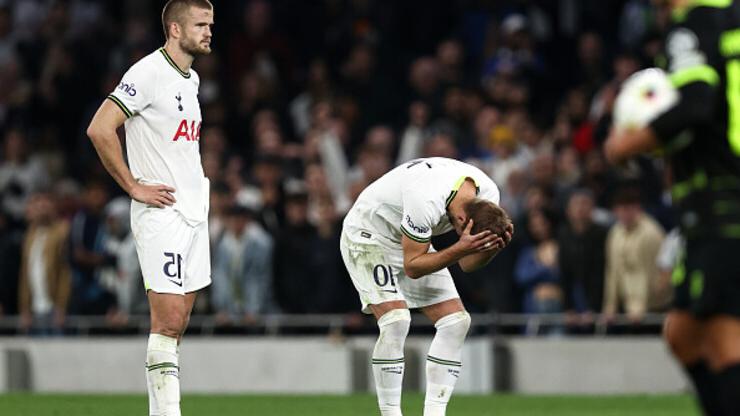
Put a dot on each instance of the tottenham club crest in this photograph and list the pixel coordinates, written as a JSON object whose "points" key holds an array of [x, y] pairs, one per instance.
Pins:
{"points": [[178, 97]]}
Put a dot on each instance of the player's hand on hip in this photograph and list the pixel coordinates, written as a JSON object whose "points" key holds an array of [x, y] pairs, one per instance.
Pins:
{"points": [[475, 243], [155, 195]]}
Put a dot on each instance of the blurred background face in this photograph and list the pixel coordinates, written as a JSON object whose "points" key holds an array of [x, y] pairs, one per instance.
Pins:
{"points": [[15, 146], [374, 164], [296, 211], [315, 178], [580, 208], [539, 226], [96, 197], [441, 145], [236, 223], [40, 209], [628, 214]]}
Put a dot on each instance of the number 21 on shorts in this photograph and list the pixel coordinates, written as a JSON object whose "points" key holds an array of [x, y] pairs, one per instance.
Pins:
{"points": [[383, 275]]}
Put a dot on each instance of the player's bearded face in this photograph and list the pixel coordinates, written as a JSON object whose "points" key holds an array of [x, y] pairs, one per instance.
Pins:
{"points": [[196, 39]]}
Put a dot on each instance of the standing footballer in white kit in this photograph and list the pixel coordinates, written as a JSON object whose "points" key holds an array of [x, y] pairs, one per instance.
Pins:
{"points": [[386, 247], [157, 102]]}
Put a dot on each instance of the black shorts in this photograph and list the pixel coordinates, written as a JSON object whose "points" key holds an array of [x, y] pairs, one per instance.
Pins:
{"points": [[707, 278]]}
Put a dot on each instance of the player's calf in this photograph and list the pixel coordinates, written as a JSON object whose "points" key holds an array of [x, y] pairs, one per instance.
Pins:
{"points": [[388, 363], [723, 351], [444, 361], [169, 315], [685, 336]]}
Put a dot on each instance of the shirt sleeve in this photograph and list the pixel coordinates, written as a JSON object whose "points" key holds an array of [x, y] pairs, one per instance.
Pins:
{"points": [[689, 52], [136, 90], [420, 214]]}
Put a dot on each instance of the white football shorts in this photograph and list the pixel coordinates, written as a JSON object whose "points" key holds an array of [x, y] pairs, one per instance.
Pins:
{"points": [[174, 254], [378, 275]]}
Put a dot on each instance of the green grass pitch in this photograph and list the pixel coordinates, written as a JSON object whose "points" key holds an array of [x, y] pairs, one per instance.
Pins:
{"points": [[354, 405]]}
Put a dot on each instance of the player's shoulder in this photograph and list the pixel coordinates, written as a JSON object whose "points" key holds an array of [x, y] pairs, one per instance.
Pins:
{"points": [[704, 16], [146, 65], [194, 76]]}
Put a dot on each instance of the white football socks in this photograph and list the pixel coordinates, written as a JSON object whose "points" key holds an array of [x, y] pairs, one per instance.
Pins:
{"points": [[163, 375], [388, 362], [443, 361]]}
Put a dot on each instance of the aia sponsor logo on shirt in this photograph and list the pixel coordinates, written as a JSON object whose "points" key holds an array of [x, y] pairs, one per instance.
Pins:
{"points": [[189, 130], [419, 229], [127, 88]]}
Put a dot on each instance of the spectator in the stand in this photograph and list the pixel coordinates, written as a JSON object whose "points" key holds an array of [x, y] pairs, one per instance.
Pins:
{"points": [[294, 243], [485, 121], [267, 174], [517, 53], [424, 81], [412, 140], [44, 283], [451, 58], [506, 158], [591, 68], [242, 269], [87, 254], [318, 88], [537, 267], [259, 45], [10, 262], [326, 263], [21, 174], [312, 265], [122, 277], [221, 199], [631, 249], [582, 244], [372, 163], [8, 39], [441, 143]]}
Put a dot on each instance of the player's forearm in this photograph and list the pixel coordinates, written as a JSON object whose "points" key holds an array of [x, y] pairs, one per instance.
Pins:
{"points": [[428, 263], [473, 262], [111, 155], [622, 145]]}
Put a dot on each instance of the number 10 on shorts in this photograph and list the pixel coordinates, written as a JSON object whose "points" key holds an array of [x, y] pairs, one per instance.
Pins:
{"points": [[383, 274]]}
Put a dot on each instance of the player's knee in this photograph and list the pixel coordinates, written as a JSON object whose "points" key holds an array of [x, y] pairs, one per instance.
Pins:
{"points": [[172, 326], [723, 346], [682, 342], [394, 327], [454, 326]]}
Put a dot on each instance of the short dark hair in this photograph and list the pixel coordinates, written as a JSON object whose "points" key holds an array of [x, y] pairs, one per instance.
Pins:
{"points": [[486, 215], [173, 10]]}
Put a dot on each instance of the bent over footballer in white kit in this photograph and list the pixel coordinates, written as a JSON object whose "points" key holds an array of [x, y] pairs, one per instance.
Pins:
{"points": [[157, 103], [386, 247]]}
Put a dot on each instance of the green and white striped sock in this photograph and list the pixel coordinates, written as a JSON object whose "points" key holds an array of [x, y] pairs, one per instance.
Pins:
{"points": [[163, 374], [388, 374], [444, 361]]}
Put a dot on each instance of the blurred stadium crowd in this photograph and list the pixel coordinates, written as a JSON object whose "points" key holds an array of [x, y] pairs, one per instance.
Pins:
{"points": [[304, 104]]}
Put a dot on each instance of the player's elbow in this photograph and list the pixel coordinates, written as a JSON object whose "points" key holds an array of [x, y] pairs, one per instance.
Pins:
{"points": [[411, 272], [470, 268], [474, 262], [93, 131]]}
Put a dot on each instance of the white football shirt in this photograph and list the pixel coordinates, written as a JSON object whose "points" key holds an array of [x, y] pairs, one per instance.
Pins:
{"points": [[163, 130], [412, 199]]}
